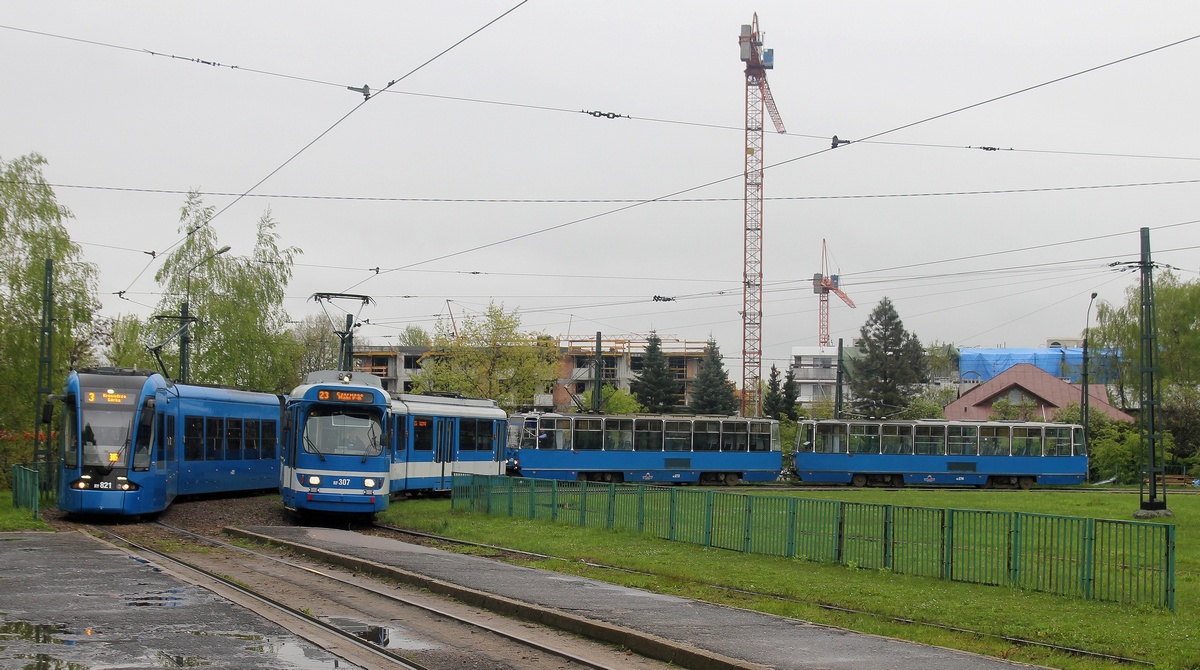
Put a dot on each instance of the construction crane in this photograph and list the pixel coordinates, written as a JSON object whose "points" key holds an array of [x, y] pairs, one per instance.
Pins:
{"points": [[824, 284], [758, 95]]}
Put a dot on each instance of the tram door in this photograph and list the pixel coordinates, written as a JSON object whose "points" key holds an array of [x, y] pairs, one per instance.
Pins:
{"points": [[444, 452]]}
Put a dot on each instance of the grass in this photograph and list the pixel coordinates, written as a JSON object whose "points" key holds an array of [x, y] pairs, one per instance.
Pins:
{"points": [[1166, 639], [17, 519]]}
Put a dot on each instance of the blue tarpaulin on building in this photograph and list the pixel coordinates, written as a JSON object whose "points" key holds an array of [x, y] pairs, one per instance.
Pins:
{"points": [[1062, 362]]}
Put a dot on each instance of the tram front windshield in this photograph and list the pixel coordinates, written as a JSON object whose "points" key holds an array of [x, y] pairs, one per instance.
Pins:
{"points": [[336, 431], [105, 435]]}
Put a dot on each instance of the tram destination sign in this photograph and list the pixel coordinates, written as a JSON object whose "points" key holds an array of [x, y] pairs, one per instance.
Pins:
{"points": [[338, 395]]}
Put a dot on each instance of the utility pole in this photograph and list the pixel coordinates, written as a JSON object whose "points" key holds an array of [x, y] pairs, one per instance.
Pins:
{"points": [[43, 453], [1148, 418]]}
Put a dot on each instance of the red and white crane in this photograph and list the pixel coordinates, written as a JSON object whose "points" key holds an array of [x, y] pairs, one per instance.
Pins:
{"points": [[758, 95], [824, 284]]}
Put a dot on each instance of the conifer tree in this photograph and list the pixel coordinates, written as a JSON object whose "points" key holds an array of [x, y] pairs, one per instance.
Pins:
{"points": [[892, 366], [773, 398], [713, 392], [791, 394], [655, 386]]}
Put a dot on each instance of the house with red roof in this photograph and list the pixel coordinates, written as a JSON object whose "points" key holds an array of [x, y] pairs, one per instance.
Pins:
{"points": [[1024, 382]]}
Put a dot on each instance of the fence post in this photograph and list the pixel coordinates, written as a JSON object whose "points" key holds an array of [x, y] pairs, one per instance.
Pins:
{"points": [[1169, 562], [641, 509], [792, 513], [671, 516], [612, 505], [583, 491], [839, 537], [554, 500], [1089, 557], [512, 482], [708, 518], [749, 532], [1014, 552], [889, 534], [948, 544]]}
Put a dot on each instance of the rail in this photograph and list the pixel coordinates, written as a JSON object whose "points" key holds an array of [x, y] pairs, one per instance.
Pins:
{"points": [[1128, 562]]}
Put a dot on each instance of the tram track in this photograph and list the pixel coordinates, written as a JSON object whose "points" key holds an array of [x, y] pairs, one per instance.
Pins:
{"points": [[499, 643], [747, 592]]}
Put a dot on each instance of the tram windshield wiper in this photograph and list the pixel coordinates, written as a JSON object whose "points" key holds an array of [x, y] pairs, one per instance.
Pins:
{"points": [[308, 441]]}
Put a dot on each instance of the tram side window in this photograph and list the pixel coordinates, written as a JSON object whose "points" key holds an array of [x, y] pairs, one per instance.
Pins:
{"points": [[554, 434], [214, 438], [648, 435], [1027, 441], [160, 439], [679, 436], [529, 433], [170, 438], [193, 438], [804, 438], [963, 440], [864, 439], [1080, 444], [706, 436], [831, 439], [485, 436], [760, 435], [587, 434], [735, 436], [70, 437], [467, 432], [897, 439], [145, 435], [1058, 441], [422, 433], [250, 440], [233, 439], [618, 434], [270, 429], [930, 440], [993, 440]]}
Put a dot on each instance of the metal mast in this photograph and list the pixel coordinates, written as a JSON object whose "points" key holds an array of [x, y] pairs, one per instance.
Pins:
{"points": [[758, 94]]}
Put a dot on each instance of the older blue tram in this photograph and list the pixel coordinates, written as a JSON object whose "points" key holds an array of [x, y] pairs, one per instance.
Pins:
{"points": [[1008, 454], [681, 449]]}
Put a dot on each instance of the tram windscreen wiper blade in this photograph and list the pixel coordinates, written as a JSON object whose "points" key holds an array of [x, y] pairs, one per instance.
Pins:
{"points": [[308, 441]]}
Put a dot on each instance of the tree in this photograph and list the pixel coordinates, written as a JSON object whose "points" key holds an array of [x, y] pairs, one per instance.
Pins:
{"points": [[713, 393], [791, 394], [128, 343], [929, 403], [489, 358], [655, 386], [1004, 409], [32, 231], [1181, 417], [414, 336], [892, 366], [613, 401], [943, 360], [318, 346], [773, 398], [240, 337]]}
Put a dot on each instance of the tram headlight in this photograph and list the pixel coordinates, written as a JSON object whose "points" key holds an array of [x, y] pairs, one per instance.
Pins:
{"points": [[81, 485], [313, 480], [369, 482]]}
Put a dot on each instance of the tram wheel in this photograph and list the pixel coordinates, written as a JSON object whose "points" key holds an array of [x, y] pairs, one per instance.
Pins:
{"points": [[1026, 483], [859, 480]]}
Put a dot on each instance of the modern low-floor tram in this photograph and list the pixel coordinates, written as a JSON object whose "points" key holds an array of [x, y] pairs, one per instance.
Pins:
{"points": [[131, 441], [1009, 454]]}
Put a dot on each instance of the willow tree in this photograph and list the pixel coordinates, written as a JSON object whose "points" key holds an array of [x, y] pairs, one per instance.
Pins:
{"points": [[489, 357], [32, 231], [240, 335]]}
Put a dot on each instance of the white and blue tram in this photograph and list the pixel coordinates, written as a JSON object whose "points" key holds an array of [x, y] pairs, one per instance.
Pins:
{"points": [[131, 441], [1010, 454], [337, 453], [437, 436], [645, 448]]}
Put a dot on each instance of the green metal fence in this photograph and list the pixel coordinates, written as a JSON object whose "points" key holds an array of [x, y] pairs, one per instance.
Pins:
{"points": [[1120, 561], [26, 488]]}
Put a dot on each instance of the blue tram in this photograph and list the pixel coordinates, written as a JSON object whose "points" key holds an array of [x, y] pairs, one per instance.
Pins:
{"points": [[337, 454], [131, 441], [436, 436], [936, 452], [645, 448]]}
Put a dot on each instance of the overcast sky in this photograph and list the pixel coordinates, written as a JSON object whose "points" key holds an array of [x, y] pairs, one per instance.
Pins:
{"points": [[975, 247]]}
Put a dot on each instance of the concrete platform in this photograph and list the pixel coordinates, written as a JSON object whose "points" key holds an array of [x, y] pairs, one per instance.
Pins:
{"points": [[68, 600], [713, 636]]}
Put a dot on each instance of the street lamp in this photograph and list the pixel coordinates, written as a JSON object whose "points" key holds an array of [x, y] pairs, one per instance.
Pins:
{"points": [[185, 339], [1083, 400]]}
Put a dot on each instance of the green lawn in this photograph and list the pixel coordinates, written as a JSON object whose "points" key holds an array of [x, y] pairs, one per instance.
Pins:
{"points": [[1156, 636], [14, 519]]}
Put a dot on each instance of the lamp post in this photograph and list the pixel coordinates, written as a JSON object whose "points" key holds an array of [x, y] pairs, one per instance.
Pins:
{"points": [[1083, 400], [185, 339]]}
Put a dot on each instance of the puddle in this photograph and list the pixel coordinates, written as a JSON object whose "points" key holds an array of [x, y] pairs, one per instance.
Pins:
{"points": [[34, 632], [388, 637], [48, 662], [171, 598], [288, 650]]}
